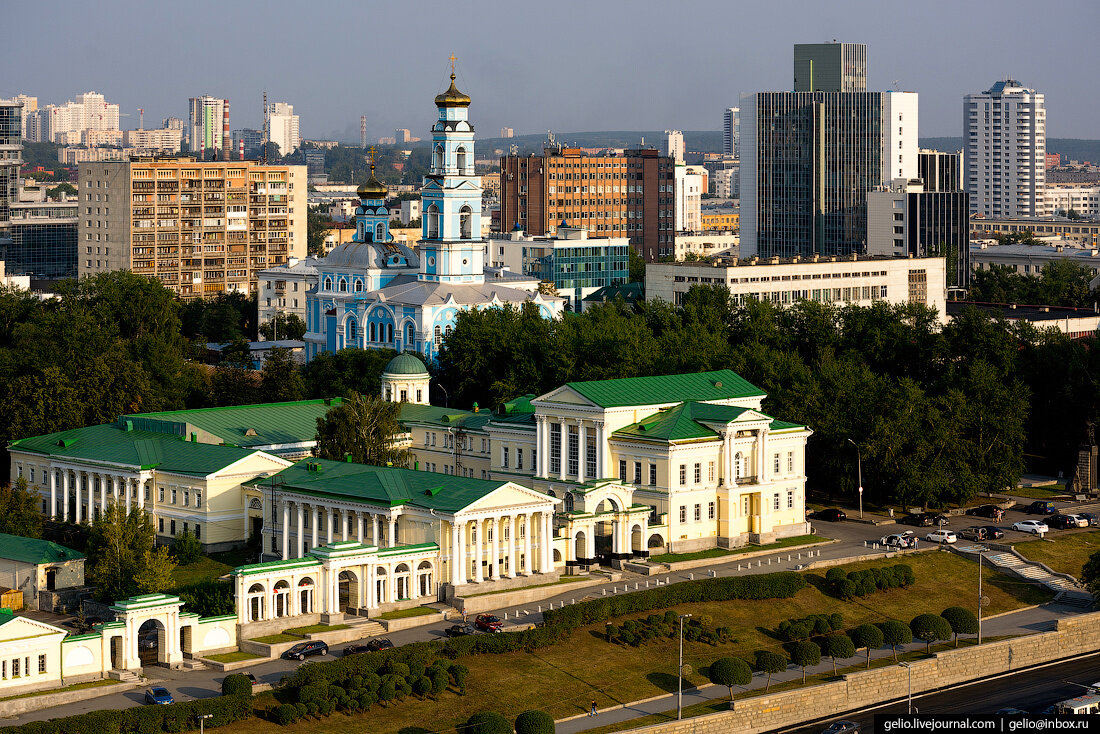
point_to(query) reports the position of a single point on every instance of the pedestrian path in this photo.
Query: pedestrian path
(1014, 563)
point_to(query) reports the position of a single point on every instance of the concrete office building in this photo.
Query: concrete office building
(674, 146)
(1083, 232)
(202, 228)
(1004, 129)
(857, 279)
(830, 67)
(282, 289)
(731, 132)
(907, 220)
(283, 126)
(1084, 200)
(940, 171)
(690, 185)
(630, 195)
(43, 238)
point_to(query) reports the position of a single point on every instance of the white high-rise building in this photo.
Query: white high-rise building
(674, 145)
(30, 106)
(689, 188)
(68, 122)
(731, 132)
(1005, 156)
(283, 128)
(204, 129)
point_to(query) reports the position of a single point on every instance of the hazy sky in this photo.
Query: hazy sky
(567, 66)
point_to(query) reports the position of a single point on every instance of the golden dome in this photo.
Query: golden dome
(452, 97)
(373, 188)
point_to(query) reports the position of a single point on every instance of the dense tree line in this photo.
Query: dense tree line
(938, 413)
(1060, 283)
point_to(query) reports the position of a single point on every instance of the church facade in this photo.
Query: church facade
(375, 293)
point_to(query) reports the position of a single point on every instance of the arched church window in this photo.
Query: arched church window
(351, 330)
(465, 218)
(448, 330)
(460, 159)
(379, 232)
(358, 286)
(343, 286)
(568, 501)
(372, 332)
(433, 222)
(438, 334)
(328, 284)
(410, 335)
(437, 158)
(389, 332)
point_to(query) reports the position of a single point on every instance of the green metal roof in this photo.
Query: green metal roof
(268, 424)
(443, 417)
(32, 550)
(691, 420)
(718, 385)
(385, 486)
(113, 445)
(406, 364)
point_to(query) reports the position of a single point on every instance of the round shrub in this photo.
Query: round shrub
(302, 709)
(236, 684)
(387, 691)
(846, 589)
(835, 575)
(962, 621)
(422, 686)
(930, 628)
(534, 722)
(487, 722)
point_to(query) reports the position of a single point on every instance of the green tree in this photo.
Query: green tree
(866, 636)
(836, 646)
(233, 385)
(487, 722)
(19, 513)
(962, 621)
(281, 377)
(155, 571)
(366, 427)
(636, 266)
(236, 684)
(730, 672)
(317, 226)
(535, 721)
(283, 326)
(770, 662)
(117, 545)
(805, 653)
(930, 628)
(330, 374)
(62, 188)
(894, 633)
(186, 549)
(1090, 575)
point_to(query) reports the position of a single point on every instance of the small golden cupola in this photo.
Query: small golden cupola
(452, 97)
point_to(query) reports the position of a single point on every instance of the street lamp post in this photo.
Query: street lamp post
(859, 471)
(909, 667)
(202, 721)
(981, 599)
(680, 672)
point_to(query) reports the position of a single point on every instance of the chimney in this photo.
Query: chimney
(242, 149)
(227, 143)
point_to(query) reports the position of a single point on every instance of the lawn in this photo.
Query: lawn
(567, 580)
(208, 568)
(565, 678)
(233, 657)
(721, 552)
(406, 613)
(302, 631)
(1038, 493)
(276, 639)
(1062, 553)
(66, 689)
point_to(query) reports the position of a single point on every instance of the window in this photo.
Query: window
(622, 470)
(160, 492)
(637, 472)
(41, 663)
(790, 462)
(519, 458)
(198, 531)
(790, 499)
(504, 457)
(427, 438)
(698, 473)
(186, 496)
(555, 450)
(160, 524)
(738, 465)
(185, 527)
(15, 668)
(653, 475)
(574, 449)
(590, 453)
(710, 472)
(775, 501)
(172, 527)
(535, 459)
(198, 498)
(683, 513)
(173, 495)
(710, 510)
(746, 506)
(776, 463)
(683, 474)
(698, 513)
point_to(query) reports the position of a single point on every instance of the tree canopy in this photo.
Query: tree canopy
(364, 427)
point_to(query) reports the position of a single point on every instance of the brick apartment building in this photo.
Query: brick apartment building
(630, 195)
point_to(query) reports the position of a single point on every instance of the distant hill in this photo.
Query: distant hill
(701, 141)
(1069, 148)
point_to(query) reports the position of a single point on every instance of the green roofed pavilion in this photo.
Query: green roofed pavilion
(662, 389)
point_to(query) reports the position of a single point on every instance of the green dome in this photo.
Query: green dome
(406, 364)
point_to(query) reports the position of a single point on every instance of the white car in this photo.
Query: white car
(941, 536)
(899, 540)
(1082, 522)
(1031, 526)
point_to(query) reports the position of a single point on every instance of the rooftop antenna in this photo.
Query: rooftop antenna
(897, 85)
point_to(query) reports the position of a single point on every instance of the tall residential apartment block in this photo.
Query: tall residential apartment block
(204, 128)
(11, 158)
(30, 106)
(1005, 155)
(731, 132)
(808, 160)
(830, 67)
(630, 195)
(283, 126)
(68, 123)
(202, 228)
(674, 145)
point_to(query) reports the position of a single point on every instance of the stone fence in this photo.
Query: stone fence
(858, 690)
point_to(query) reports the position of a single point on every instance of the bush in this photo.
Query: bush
(770, 662)
(534, 722)
(962, 621)
(458, 674)
(805, 653)
(284, 714)
(139, 720)
(867, 581)
(930, 628)
(236, 684)
(422, 686)
(186, 549)
(815, 624)
(487, 722)
(207, 598)
(894, 633)
(730, 672)
(387, 691)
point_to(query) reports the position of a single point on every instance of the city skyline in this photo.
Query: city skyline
(580, 79)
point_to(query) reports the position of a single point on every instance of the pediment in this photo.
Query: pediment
(23, 627)
(509, 495)
(564, 394)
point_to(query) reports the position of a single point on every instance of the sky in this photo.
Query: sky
(567, 66)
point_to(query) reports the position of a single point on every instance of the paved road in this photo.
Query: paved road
(851, 537)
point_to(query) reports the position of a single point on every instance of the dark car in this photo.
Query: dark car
(303, 650)
(831, 514)
(488, 622)
(939, 519)
(355, 650)
(378, 643)
(1091, 519)
(992, 532)
(1041, 507)
(460, 630)
(920, 519)
(991, 511)
(1061, 522)
(158, 695)
(841, 727)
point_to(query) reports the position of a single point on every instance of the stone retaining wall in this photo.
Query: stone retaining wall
(793, 551)
(865, 688)
(18, 706)
(393, 625)
(476, 604)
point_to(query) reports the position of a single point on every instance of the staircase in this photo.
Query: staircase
(193, 664)
(124, 676)
(364, 627)
(1069, 590)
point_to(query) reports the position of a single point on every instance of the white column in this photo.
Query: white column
(359, 526)
(563, 431)
(391, 591)
(116, 486)
(512, 558)
(299, 536)
(286, 530)
(543, 438)
(103, 492)
(458, 553)
(368, 600)
(528, 525)
(53, 494)
(343, 524)
(601, 470)
(547, 542)
(313, 519)
(494, 550)
(374, 530)
(393, 532)
(582, 450)
(762, 459)
(478, 533)
(76, 516)
(140, 485)
(616, 535)
(329, 518)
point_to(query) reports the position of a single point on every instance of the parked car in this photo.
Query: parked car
(158, 695)
(355, 650)
(990, 511)
(1092, 519)
(303, 650)
(1082, 522)
(378, 643)
(1062, 522)
(460, 630)
(939, 519)
(1041, 507)
(992, 532)
(1030, 526)
(899, 540)
(941, 536)
(831, 514)
(841, 727)
(976, 533)
(1011, 712)
(920, 519)
(489, 623)
(251, 678)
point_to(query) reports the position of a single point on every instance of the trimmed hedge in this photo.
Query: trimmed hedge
(635, 632)
(815, 625)
(236, 684)
(848, 585)
(176, 717)
(534, 721)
